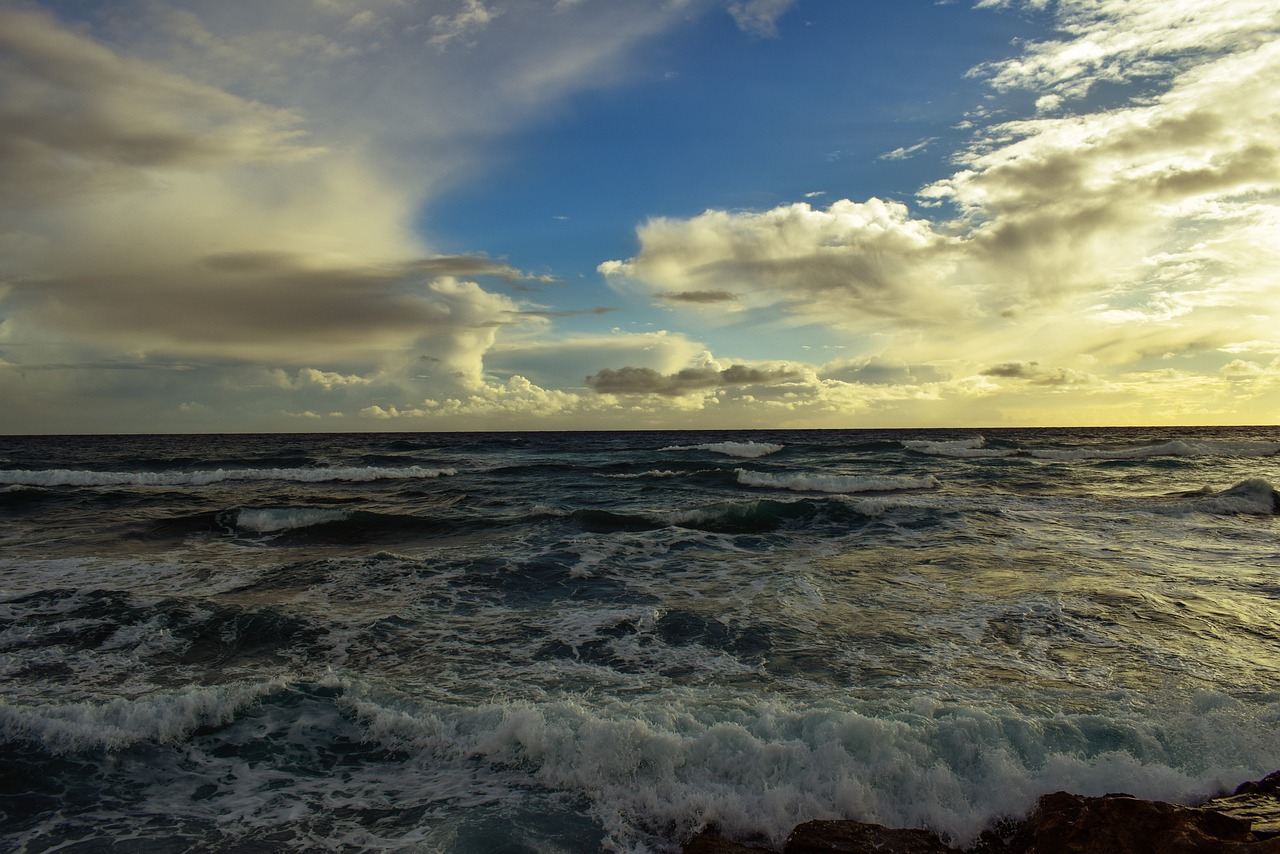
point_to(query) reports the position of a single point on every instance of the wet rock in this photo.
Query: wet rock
(1121, 824)
(1245, 822)
(1257, 802)
(855, 837)
(712, 843)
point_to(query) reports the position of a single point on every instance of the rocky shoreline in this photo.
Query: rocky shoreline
(1244, 822)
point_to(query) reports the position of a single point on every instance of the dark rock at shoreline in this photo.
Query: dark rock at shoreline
(1245, 822)
(1257, 802)
(1063, 823)
(823, 837)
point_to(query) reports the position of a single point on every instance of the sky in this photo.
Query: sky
(348, 215)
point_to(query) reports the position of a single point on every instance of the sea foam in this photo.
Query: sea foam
(658, 770)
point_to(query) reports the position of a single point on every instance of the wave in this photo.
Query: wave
(328, 525)
(835, 483)
(765, 515)
(749, 450)
(270, 520)
(1253, 497)
(656, 473)
(205, 477)
(649, 772)
(657, 773)
(962, 448)
(1175, 448)
(162, 718)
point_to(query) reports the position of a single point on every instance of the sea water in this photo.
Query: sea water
(565, 642)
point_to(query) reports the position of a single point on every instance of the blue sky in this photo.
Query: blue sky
(558, 214)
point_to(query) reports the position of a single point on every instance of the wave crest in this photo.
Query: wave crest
(835, 483)
(1175, 448)
(741, 450)
(270, 520)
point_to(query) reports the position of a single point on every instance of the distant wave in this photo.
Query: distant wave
(659, 473)
(742, 450)
(1175, 448)
(975, 447)
(204, 477)
(835, 483)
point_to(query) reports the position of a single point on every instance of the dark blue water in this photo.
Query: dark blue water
(606, 641)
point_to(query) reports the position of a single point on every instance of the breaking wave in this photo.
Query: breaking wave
(1254, 497)
(975, 447)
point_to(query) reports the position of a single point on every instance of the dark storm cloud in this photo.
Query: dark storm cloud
(688, 381)
(257, 304)
(697, 297)
(76, 117)
(1037, 374)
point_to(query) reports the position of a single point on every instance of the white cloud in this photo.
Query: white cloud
(471, 18)
(759, 16)
(1076, 246)
(852, 264)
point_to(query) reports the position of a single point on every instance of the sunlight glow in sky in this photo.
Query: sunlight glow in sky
(311, 215)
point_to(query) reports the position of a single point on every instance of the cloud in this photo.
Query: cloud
(240, 191)
(471, 18)
(908, 151)
(630, 380)
(697, 297)
(877, 371)
(1036, 374)
(759, 16)
(852, 264)
(1120, 41)
(77, 118)
(562, 362)
(1093, 240)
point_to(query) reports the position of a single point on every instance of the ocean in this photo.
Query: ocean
(579, 642)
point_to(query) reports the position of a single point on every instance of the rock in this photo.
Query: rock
(855, 837)
(1257, 802)
(1245, 822)
(710, 842)
(1120, 824)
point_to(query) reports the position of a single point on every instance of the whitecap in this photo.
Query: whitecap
(741, 450)
(163, 717)
(1250, 497)
(962, 448)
